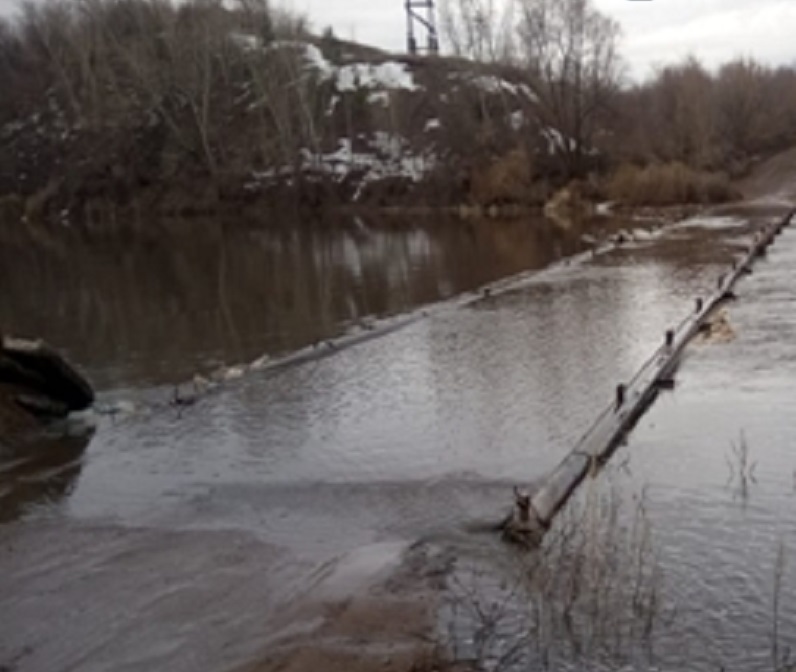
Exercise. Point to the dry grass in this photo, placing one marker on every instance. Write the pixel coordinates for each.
(668, 184)
(508, 178)
(592, 593)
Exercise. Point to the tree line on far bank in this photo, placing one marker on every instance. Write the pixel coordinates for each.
(678, 136)
(108, 99)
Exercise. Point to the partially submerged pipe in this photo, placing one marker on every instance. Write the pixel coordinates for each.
(632, 399)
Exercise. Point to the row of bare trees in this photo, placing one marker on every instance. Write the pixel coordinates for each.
(683, 113)
(568, 51)
(143, 92)
(131, 79)
(112, 97)
(711, 121)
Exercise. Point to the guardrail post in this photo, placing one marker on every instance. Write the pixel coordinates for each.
(611, 427)
(620, 395)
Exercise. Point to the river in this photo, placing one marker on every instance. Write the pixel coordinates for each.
(212, 535)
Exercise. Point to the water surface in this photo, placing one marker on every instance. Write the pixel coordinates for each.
(182, 533)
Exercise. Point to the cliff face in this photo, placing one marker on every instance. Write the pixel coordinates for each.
(195, 108)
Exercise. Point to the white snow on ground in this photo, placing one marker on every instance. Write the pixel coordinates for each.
(432, 125)
(379, 78)
(517, 120)
(389, 157)
(389, 75)
(494, 84)
(556, 140)
(246, 41)
(317, 60)
(642, 235)
(10, 128)
(379, 98)
(387, 144)
(710, 222)
(330, 108)
(526, 91)
(604, 209)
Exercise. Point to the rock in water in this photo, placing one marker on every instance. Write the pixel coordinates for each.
(38, 379)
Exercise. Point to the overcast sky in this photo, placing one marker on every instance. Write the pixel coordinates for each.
(655, 31)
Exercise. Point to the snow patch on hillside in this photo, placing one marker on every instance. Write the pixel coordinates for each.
(387, 156)
(379, 98)
(557, 142)
(492, 84)
(390, 75)
(432, 125)
(317, 60)
(246, 41)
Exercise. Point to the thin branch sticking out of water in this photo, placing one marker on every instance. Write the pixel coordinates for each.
(591, 592)
(780, 658)
(740, 467)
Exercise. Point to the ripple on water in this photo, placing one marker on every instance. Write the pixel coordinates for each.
(421, 432)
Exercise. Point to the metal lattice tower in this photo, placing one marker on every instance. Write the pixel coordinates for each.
(420, 16)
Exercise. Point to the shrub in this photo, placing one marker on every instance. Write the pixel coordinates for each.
(668, 184)
(505, 179)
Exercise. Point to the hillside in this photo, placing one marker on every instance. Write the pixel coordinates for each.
(143, 107)
(773, 179)
(218, 112)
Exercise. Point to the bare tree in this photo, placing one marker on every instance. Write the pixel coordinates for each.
(740, 108)
(570, 49)
(10, 76)
(685, 127)
(482, 30)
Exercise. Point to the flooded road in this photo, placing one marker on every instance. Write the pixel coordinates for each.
(195, 534)
(718, 462)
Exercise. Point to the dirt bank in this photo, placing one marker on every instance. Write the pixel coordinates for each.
(773, 179)
(373, 609)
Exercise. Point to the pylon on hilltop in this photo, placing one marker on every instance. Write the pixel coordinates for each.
(421, 17)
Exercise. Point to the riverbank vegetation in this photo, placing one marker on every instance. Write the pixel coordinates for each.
(147, 105)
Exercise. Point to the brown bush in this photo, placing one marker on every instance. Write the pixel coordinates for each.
(506, 179)
(668, 184)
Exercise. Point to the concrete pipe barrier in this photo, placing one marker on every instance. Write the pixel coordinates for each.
(631, 400)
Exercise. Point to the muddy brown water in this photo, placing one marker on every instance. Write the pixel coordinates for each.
(190, 538)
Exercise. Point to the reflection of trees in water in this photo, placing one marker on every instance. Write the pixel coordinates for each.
(156, 303)
(37, 470)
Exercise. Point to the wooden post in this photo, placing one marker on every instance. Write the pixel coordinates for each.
(620, 395)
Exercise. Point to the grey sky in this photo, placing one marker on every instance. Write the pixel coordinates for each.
(655, 31)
